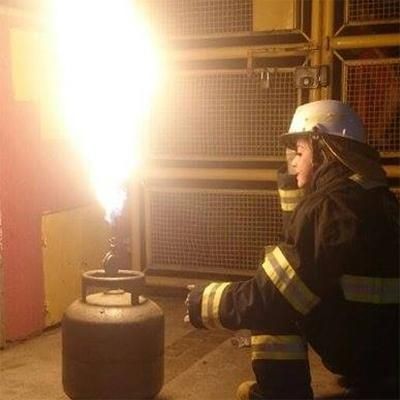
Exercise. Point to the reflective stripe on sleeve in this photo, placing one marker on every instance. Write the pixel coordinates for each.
(365, 289)
(278, 347)
(290, 198)
(211, 299)
(285, 279)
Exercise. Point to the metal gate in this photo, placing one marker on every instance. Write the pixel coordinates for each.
(210, 201)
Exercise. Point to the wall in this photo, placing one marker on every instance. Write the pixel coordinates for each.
(40, 173)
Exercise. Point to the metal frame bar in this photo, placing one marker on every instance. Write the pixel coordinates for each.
(302, 11)
(316, 39)
(212, 174)
(326, 52)
(238, 52)
(179, 189)
(174, 268)
(359, 42)
(137, 261)
(147, 227)
(375, 61)
(229, 71)
(374, 22)
(246, 34)
(169, 157)
(230, 174)
(346, 15)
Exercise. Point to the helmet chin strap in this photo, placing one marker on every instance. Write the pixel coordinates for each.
(335, 153)
(318, 144)
(317, 157)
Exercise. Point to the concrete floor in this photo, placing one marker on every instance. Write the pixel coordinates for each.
(199, 365)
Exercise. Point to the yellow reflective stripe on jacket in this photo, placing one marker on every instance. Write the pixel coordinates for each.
(365, 289)
(211, 299)
(285, 279)
(290, 198)
(278, 347)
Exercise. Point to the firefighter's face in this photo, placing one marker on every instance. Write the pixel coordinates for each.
(302, 162)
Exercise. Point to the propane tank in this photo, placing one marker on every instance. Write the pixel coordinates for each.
(113, 341)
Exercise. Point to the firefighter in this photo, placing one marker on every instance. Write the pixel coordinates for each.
(332, 282)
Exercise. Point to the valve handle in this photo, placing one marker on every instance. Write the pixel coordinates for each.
(128, 280)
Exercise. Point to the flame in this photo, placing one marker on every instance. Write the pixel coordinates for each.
(109, 69)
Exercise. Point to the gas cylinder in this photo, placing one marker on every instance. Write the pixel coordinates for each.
(113, 340)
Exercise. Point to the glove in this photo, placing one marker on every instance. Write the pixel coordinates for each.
(290, 155)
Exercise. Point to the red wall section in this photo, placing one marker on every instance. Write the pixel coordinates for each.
(36, 176)
(20, 201)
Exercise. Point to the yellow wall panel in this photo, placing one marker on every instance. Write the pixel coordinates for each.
(74, 241)
(34, 77)
(270, 15)
(26, 64)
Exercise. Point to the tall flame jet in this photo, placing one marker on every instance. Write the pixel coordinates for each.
(109, 68)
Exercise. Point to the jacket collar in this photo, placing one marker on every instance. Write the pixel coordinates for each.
(328, 174)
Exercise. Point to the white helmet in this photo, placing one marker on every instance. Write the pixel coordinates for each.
(326, 117)
(339, 129)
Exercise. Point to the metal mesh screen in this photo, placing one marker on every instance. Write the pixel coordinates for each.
(219, 229)
(373, 10)
(179, 18)
(228, 115)
(373, 89)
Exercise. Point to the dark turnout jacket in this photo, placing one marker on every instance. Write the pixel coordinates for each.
(332, 282)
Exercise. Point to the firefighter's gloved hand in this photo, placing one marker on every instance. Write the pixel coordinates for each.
(290, 155)
(186, 317)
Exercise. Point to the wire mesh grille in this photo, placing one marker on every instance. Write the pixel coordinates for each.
(373, 89)
(179, 18)
(221, 229)
(373, 10)
(223, 115)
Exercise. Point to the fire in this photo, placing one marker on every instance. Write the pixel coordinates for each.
(108, 71)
